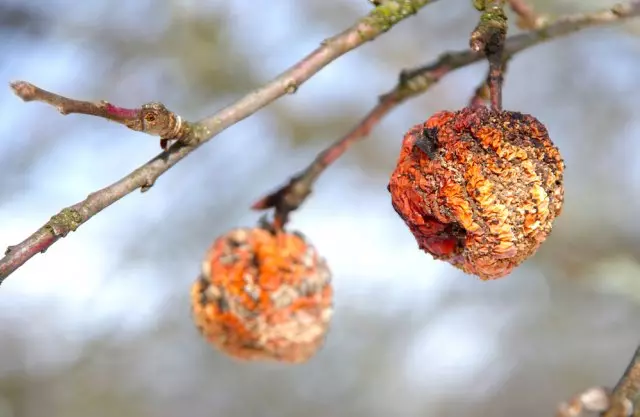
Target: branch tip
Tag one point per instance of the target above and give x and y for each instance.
(151, 118)
(24, 90)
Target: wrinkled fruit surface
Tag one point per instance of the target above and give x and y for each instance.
(479, 189)
(263, 296)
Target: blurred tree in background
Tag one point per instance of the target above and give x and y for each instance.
(100, 325)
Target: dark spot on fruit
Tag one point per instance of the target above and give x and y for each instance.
(427, 141)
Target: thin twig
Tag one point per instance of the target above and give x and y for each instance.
(416, 81)
(489, 37)
(527, 17)
(291, 196)
(378, 21)
(152, 118)
(482, 93)
(625, 399)
(593, 400)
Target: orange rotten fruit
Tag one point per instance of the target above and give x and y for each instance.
(263, 295)
(479, 189)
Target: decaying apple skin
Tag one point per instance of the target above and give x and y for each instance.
(479, 189)
(263, 295)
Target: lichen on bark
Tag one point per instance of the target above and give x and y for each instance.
(387, 14)
(68, 220)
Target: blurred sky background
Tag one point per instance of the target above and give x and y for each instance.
(100, 325)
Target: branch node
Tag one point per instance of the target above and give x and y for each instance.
(23, 89)
(491, 31)
(287, 198)
(388, 13)
(68, 220)
(149, 183)
(291, 88)
(619, 9)
(403, 77)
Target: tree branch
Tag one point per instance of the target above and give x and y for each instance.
(489, 37)
(623, 401)
(412, 82)
(378, 21)
(625, 398)
(152, 118)
(416, 81)
(491, 31)
(291, 196)
(528, 20)
(483, 91)
(527, 17)
(593, 400)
